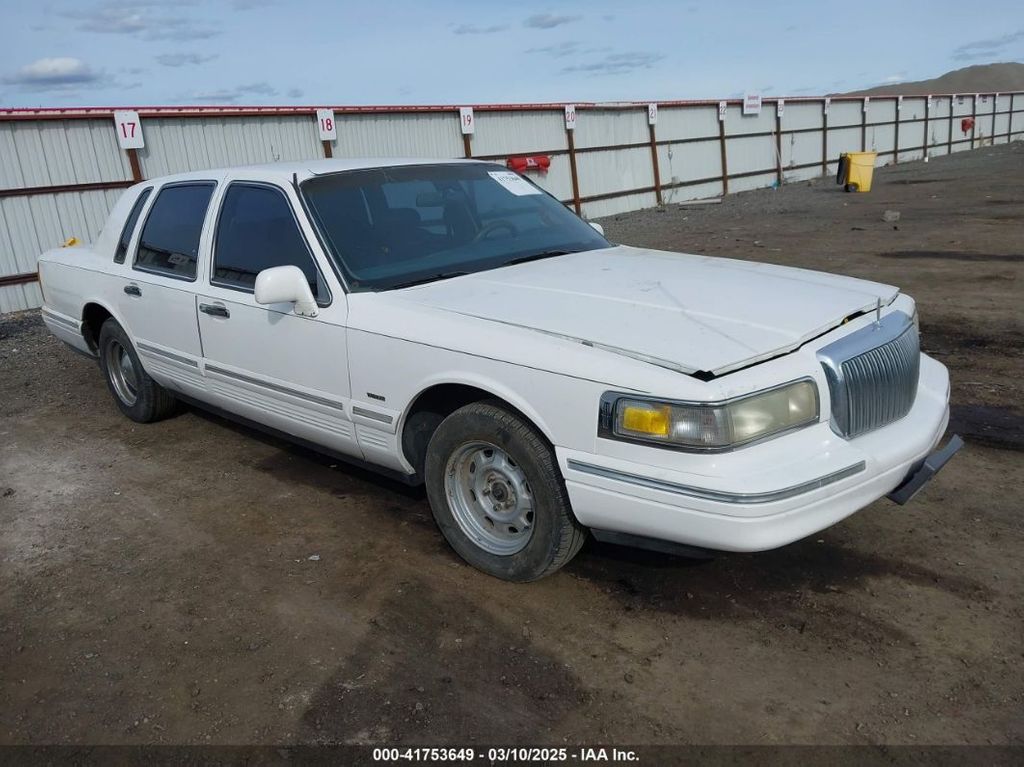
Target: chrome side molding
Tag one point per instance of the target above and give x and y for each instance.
(717, 495)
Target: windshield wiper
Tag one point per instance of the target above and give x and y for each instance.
(539, 256)
(429, 278)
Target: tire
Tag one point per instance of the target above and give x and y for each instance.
(517, 488)
(842, 170)
(136, 394)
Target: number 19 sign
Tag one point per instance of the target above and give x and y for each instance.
(129, 130)
(325, 123)
(466, 120)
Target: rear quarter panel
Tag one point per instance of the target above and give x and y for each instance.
(71, 277)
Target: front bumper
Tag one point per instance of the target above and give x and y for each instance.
(768, 495)
(922, 475)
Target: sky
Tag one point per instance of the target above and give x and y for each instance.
(56, 53)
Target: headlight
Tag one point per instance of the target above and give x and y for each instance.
(709, 426)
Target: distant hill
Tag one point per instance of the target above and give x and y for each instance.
(981, 78)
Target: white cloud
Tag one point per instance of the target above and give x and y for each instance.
(53, 74)
(181, 59)
(473, 29)
(231, 95)
(618, 63)
(141, 17)
(548, 20)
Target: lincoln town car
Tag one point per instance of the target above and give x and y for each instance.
(451, 324)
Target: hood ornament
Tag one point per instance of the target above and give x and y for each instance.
(878, 312)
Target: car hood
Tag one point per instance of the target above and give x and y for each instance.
(693, 314)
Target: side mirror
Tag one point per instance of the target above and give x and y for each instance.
(597, 227)
(286, 284)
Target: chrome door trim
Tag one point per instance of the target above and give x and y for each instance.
(275, 387)
(371, 414)
(144, 347)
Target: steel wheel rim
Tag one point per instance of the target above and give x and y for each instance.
(121, 371)
(490, 498)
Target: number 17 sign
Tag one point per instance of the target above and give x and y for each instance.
(129, 130)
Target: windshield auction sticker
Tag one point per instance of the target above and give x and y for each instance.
(513, 182)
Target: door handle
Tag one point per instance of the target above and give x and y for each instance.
(214, 310)
(133, 290)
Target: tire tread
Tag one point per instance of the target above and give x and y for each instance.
(572, 535)
(154, 401)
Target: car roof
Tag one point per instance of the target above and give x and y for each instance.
(303, 169)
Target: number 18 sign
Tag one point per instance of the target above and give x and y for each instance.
(326, 125)
(129, 130)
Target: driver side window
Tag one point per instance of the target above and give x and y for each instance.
(257, 230)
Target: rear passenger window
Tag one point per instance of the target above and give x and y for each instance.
(257, 231)
(129, 226)
(170, 239)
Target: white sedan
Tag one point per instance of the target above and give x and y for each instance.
(450, 323)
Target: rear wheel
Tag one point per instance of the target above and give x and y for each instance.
(497, 495)
(137, 395)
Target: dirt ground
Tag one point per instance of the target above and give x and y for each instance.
(194, 582)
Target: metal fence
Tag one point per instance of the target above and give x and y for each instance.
(61, 170)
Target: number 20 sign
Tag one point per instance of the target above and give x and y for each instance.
(129, 130)
(326, 125)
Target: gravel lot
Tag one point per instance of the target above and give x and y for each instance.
(194, 582)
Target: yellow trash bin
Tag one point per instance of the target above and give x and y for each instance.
(856, 170)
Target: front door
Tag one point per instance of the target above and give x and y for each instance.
(266, 363)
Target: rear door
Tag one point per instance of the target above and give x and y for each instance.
(266, 363)
(157, 300)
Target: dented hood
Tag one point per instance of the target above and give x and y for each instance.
(687, 313)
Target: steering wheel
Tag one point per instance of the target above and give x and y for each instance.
(495, 226)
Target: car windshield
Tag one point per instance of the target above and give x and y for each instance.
(397, 226)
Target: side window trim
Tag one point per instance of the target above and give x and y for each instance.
(322, 302)
(131, 225)
(135, 254)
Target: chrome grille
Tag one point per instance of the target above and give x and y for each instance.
(872, 374)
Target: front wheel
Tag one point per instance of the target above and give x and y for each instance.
(137, 395)
(497, 495)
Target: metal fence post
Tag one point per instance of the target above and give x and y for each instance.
(824, 137)
(571, 143)
(974, 117)
(864, 124)
(949, 137)
(133, 161)
(725, 156)
(927, 103)
(896, 133)
(778, 145)
(1009, 121)
(654, 163)
(995, 101)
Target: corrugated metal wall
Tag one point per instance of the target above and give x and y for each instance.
(62, 171)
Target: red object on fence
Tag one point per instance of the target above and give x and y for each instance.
(538, 162)
(967, 124)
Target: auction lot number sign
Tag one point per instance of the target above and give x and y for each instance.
(129, 129)
(326, 125)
